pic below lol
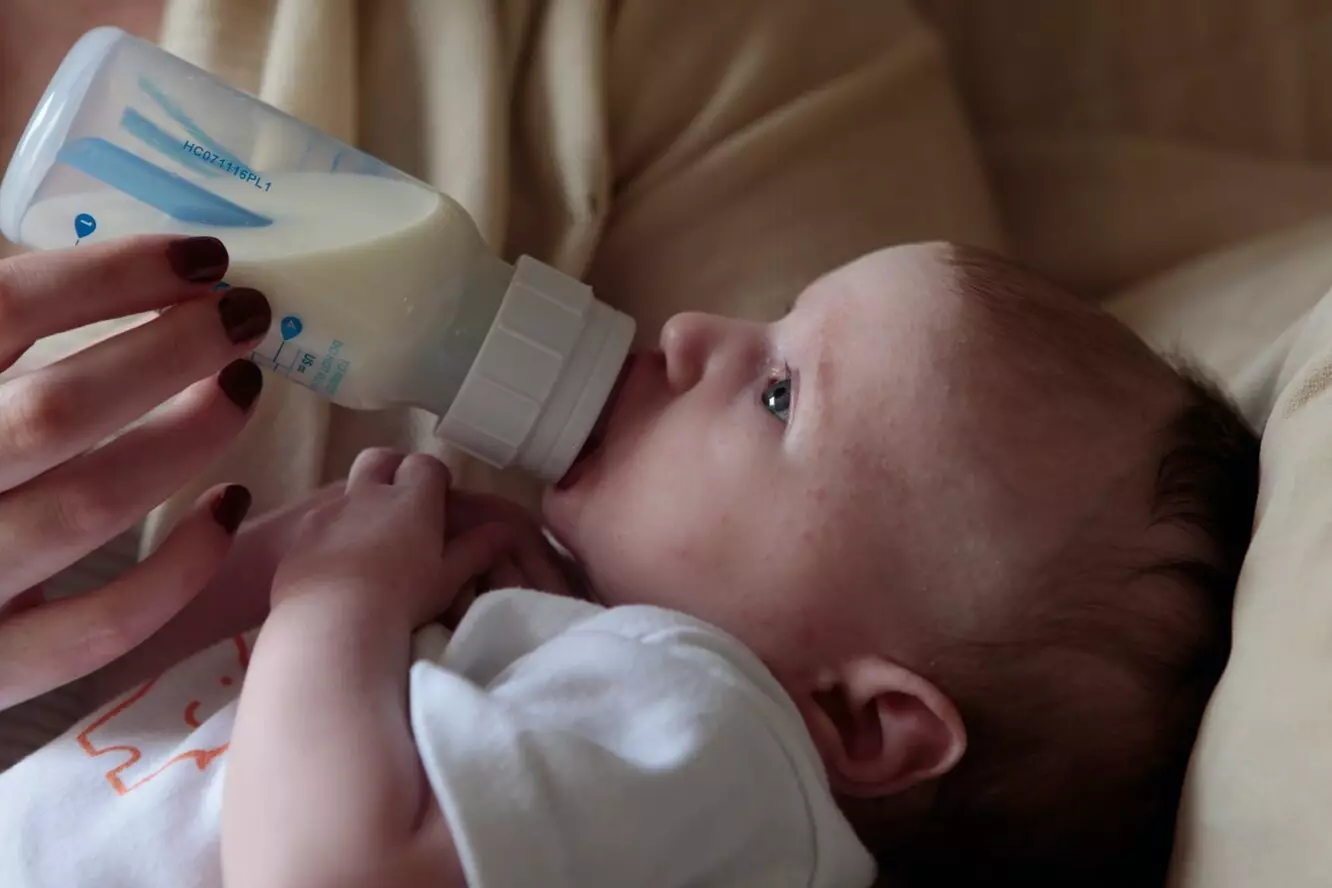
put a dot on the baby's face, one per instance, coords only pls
(811, 484)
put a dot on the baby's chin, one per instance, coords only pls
(555, 508)
(580, 584)
(559, 517)
(564, 505)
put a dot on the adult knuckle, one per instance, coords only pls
(181, 340)
(121, 265)
(86, 509)
(107, 636)
(38, 413)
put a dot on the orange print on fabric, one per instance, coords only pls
(201, 758)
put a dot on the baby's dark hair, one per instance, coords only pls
(1081, 719)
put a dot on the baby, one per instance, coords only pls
(930, 577)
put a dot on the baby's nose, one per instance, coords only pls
(686, 340)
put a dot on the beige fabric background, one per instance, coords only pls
(1123, 136)
(700, 154)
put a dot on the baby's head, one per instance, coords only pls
(984, 537)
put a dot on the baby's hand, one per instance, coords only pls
(531, 561)
(380, 545)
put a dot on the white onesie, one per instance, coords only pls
(568, 745)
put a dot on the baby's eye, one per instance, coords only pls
(777, 396)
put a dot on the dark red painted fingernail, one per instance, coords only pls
(230, 507)
(198, 260)
(245, 314)
(241, 382)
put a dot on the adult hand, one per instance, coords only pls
(65, 489)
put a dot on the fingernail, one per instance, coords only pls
(241, 382)
(198, 260)
(230, 507)
(245, 314)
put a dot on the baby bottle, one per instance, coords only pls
(382, 289)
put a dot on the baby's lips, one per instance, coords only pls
(598, 434)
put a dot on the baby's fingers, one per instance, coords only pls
(472, 554)
(507, 575)
(57, 642)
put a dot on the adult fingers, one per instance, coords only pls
(57, 642)
(23, 601)
(57, 518)
(46, 293)
(373, 466)
(52, 414)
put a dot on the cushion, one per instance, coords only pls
(1256, 809)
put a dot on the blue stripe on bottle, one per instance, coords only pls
(178, 114)
(150, 184)
(154, 136)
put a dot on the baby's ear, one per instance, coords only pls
(882, 729)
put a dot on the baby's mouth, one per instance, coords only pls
(598, 435)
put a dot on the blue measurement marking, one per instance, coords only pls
(84, 225)
(290, 328)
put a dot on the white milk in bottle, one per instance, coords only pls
(383, 291)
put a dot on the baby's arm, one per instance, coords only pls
(236, 600)
(324, 785)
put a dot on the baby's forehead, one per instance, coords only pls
(936, 321)
(958, 293)
(912, 315)
(964, 362)
(887, 275)
(883, 296)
